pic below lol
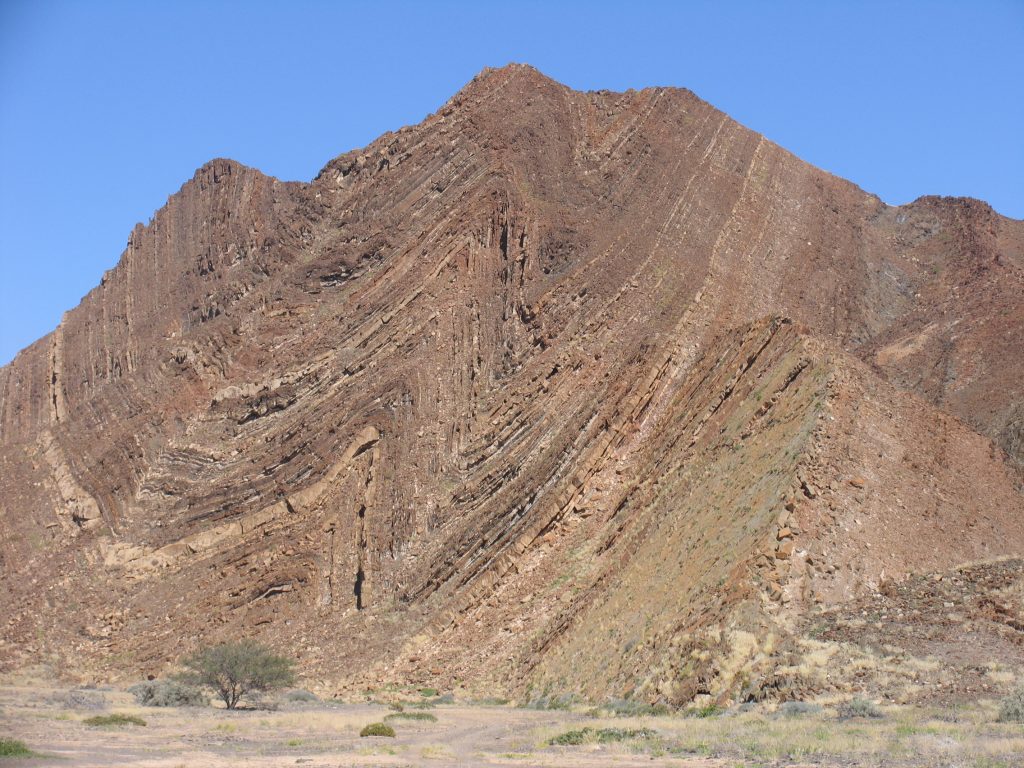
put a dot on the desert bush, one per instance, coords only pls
(957, 713)
(82, 699)
(14, 748)
(572, 738)
(378, 729)
(858, 708)
(606, 735)
(428, 693)
(411, 716)
(114, 719)
(709, 710)
(1011, 709)
(168, 693)
(601, 736)
(563, 701)
(630, 708)
(798, 708)
(236, 669)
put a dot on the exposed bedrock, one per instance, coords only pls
(554, 391)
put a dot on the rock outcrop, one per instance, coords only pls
(560, 392)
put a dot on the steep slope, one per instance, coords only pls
(345, 415)
(766, 483)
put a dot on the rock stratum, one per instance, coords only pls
(555, 393)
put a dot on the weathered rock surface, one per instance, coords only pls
(556, 391)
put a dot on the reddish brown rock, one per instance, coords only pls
(510, 384)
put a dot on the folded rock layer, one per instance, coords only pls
(559, 392)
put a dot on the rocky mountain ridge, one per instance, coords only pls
(559, 392)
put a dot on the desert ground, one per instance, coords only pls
(50, 720)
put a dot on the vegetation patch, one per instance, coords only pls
(1011, 709)
(563, 702)
(447, 698)
(168, 693)
(378, 729)
(798, 709)
(601, 736)
(426, 716)
(708, 711)
(858, 708)
(236, 669)
(80, 698)
(114, 720)
(630, 708)
(14, 748)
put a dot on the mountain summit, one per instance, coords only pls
(558, 393)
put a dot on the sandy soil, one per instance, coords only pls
(311, 735)
(317, 735)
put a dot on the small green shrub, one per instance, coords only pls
(858, 708)
(572, 738)
(168, 693)
(411, 716)
(601, 736)
(378, 729)
(428, 693)
(1011, 709)
(14, 748)
(114, 719)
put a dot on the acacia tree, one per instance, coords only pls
(237, 668)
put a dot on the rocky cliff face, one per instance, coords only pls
(564, 392)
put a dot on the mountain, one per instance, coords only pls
(556, 393)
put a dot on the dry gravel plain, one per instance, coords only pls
(321, 734)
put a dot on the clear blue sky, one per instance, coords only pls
(106, 108)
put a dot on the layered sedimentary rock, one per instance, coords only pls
(563, 392)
